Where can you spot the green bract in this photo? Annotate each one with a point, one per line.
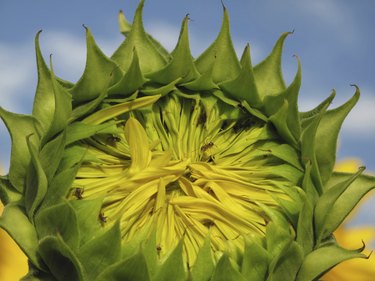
(159, 166)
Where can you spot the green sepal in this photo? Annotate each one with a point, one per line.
(20, 156)
(56, 148)
(181, 65)
(59, 186)
(268, 75)
(287, 264)
(277, 239)
(273, 103)
(253, 111)
(99, 73)
(80, 131)
(323, 259)
(308, 117)
(101, 252)
(327, 134)
(8, 194)
(60, 259)
(204, 265)
(291, 207)
(133, 268)
(36, 183)
(44, 100)
(284, 152)
(305, 229)
(86, 108)
(124, 25)
(87, 213)
(15, 222)
(220, 58)
(280, 121)
(309, 128)
(59, 220)
(131, 81)
(345, 203)
(255, 260)
(243, 87)
(110, 112)
(225, 271)
(327, 215)
(73, 155)
(35, 274)
(161, 90)
(62, 109)
(202, 83)
(173, 268)
(125, 28)
(150, 59)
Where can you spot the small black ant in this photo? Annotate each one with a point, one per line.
(112, 140)
(207, 146)
(158, 250)
(202, 118)
(78, 192)
(102, 218)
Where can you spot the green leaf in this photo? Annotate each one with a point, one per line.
(220, 58)
(225, 271)
(23, 232)
(134, 268)
(60, 259)
(327, 134)
(101, 252)
(327, 216)
(268, 74)
(100, 72)
(181, 65)
(204, 264)
(321, 260)
(20, 155)
(59, 220)
(255, 260)
(150, 58)
(36, 184)
(173, 268)
(243, 86)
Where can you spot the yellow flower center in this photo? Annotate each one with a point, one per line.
(188, 169)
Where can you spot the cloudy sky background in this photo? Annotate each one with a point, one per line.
(334, 39)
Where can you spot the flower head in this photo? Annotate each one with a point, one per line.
(159, 166)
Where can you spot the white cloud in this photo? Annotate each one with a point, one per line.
(333, 15)
(16, 75)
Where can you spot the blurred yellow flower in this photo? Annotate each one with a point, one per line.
(13, 263)
(354, 269)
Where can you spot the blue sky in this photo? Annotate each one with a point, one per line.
(335, 41)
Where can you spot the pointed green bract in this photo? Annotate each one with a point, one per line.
(158, 166)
